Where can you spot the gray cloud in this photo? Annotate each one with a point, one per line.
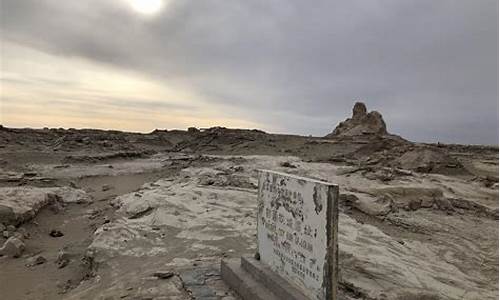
(431, 67)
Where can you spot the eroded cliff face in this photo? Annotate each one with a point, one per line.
(361, 122)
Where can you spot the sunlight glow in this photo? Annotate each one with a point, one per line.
(147, 7)
(38, 89)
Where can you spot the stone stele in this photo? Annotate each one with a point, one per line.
(297, 232)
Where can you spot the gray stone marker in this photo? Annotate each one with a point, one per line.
(297, 240)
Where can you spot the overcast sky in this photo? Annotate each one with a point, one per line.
(429, 66)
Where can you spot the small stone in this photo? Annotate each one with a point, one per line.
(64, 286)
(13, 247)
(414, 204)
(163, 274)
(7, 214)
(56, 233)
(63, 259)
(2, 227)
(93, 213)
(62, 263)
(40, 260)
(62, 255)
(6, 234)
(257, 256)
(444, 204)
(288, 165)
(427, 202)
(11, 228)
(22, 233)
(37, 260)
(106, 187)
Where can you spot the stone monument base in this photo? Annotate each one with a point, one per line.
(252, 280)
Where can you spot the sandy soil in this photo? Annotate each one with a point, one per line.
(417, 221)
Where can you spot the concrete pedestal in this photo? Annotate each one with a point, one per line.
(252, 280)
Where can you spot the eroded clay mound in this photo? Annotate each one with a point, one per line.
(20, 204)
(430, 160)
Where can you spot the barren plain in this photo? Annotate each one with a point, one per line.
(92, 214)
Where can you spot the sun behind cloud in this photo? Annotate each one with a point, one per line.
(147, 7)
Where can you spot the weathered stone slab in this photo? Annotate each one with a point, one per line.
(253, 280)
(243, 283)
(270, 280)
(297, 231)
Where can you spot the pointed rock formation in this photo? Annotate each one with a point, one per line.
(361, 123)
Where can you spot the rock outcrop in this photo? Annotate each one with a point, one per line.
(13, 247)
(361, 123)
(20, 204)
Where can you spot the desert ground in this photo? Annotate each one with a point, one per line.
(93, 214)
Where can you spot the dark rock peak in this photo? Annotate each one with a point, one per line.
(358, 111)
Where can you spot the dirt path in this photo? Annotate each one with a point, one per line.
(64, 263)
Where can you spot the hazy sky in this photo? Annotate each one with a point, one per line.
(429, 66)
